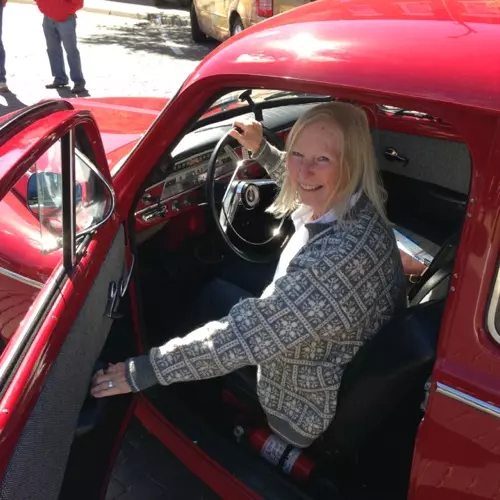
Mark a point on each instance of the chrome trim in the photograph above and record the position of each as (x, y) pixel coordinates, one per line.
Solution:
(126, 282)
(27, 330)
(96, 171)
(492, 310)
(164, 201)
(21, 278)
(174, 172)
(462, 397)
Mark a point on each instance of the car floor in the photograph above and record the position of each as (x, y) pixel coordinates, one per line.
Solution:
(145, 469)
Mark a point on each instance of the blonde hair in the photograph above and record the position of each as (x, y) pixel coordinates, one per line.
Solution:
(357, 160)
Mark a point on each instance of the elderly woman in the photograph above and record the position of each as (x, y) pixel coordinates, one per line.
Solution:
(338, 280)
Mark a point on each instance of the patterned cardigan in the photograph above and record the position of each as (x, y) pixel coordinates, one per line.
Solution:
(340, 289)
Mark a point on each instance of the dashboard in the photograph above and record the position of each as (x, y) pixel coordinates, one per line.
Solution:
(177, 182)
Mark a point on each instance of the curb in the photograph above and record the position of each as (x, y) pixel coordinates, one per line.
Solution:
(155, 17)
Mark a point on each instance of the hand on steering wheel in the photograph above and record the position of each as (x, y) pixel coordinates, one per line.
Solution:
(243, 192)
(249, 134)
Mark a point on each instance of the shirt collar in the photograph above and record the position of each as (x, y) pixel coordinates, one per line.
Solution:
(303, 214)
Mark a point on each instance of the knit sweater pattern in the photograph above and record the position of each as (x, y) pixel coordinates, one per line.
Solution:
(338, 291)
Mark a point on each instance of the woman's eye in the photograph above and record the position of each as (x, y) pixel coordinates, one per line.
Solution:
(296, 154)
(323, 159)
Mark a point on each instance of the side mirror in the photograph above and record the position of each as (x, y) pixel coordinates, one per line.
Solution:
(44, 193)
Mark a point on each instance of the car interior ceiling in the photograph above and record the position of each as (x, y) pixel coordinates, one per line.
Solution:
(367, 451)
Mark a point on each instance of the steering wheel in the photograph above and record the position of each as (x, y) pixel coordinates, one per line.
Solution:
(242, 193)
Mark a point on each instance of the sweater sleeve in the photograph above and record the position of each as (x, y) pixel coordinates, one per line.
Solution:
(272, 159)
(305, 304)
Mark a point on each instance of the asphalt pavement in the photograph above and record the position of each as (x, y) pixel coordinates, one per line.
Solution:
(135, 53)
(121, 56)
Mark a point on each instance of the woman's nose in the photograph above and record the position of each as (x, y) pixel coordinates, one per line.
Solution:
(307, 167)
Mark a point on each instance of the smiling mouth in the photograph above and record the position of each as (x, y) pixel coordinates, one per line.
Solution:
(309, 187)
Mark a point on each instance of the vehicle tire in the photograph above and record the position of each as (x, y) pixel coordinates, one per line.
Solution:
(236, 25)
(196, 34)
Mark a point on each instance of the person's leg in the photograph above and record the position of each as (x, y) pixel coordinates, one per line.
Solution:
(3, 86)
(213, 302)
(248, 275)
(67, 32)
(216, 300)
(55, 53)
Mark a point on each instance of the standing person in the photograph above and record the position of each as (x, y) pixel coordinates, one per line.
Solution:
(59, 27)
(3, 81)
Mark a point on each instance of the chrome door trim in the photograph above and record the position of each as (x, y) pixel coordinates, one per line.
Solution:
(492, 310)
(478, 404)
(21, 278)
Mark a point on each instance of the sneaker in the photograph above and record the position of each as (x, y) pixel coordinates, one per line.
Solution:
(3, 87)
(56, 85)
(78, 88)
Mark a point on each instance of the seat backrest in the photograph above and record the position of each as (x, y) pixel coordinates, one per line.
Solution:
(395, 361)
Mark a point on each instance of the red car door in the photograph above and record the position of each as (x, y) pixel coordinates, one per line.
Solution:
(56, 441)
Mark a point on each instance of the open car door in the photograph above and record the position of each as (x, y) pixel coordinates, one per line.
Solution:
(55, 440)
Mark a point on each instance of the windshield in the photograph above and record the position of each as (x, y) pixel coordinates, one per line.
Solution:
(232, 99)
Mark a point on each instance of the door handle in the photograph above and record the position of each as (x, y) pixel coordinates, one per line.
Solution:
(125, 282)
(113, 301)
(392, 155)
(117, 292)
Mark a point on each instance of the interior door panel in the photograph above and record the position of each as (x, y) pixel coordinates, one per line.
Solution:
(430, 202)
(450, 160)
(37, 466)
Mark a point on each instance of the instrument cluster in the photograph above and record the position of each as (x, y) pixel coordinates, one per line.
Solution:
(177, 191)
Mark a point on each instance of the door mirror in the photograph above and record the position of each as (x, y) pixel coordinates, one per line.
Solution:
(44, 193)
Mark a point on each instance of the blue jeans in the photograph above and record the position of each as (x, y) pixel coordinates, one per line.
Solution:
(2, 50)
(57, 35)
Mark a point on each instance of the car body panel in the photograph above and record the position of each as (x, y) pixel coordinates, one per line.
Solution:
(315, 40)
(457, 449)
(52, 314)
(346, 49)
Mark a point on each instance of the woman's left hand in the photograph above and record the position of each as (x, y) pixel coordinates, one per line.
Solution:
(110, 382)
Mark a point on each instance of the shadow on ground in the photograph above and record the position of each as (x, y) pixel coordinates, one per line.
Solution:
(9, 102)
(154, 39)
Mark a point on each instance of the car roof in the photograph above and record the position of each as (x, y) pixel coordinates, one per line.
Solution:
(445, 51)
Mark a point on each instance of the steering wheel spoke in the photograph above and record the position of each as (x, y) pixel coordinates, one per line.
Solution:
(243, 194)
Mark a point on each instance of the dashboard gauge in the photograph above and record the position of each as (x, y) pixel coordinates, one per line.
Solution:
(192, 173)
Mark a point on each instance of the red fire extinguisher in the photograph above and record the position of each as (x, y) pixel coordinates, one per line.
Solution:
(288, 458)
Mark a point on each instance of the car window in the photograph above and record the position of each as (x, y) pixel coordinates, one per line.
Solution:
(493, 318)
(44, 195)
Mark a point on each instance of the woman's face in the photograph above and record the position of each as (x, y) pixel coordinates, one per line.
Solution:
(314, 165)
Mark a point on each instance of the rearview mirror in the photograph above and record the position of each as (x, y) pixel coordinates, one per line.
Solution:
(44, 193)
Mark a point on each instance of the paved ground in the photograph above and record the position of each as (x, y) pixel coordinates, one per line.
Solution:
(120, 56)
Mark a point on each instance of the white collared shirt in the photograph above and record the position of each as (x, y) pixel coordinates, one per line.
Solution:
(300, 217)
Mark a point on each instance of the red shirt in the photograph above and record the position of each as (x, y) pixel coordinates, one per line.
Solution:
(59, 10)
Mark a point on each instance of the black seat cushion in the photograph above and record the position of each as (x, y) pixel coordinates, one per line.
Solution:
(397, 360)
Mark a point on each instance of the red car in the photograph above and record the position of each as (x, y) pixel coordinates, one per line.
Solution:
(110, 224)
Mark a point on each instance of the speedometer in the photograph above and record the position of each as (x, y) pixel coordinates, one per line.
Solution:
(192, 173)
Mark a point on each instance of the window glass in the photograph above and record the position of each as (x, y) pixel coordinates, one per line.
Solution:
(44, 195)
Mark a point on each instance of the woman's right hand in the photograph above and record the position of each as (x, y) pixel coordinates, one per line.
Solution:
(249, 135)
